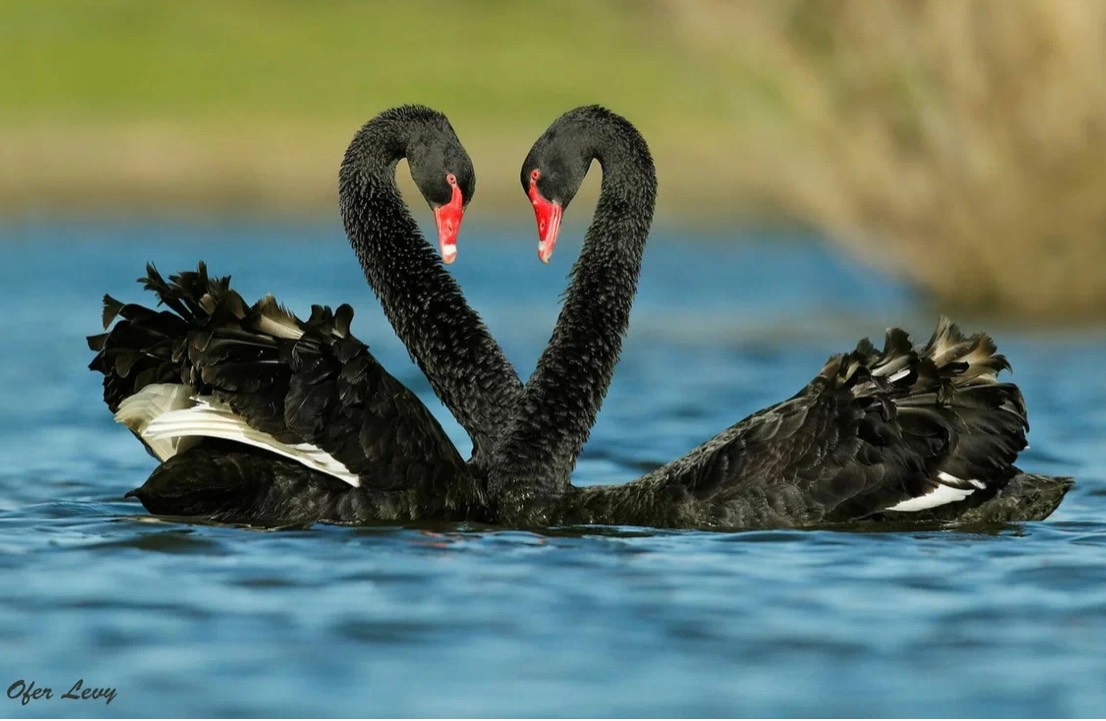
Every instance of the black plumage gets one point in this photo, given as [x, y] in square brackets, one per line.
[898, 435]
[903, 434]
[852, 445]
[321, 387]
[311, 383]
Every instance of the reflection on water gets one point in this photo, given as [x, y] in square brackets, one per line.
[209, 620]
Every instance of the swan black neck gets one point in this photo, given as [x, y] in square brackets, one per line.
[424, 304]
[560, 402]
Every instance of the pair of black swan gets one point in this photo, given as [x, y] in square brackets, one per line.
[260, 418]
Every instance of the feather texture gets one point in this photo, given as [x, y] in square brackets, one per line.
[200, 417]
[903, 432]
[216, 367]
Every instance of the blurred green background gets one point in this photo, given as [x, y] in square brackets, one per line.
[957, 143]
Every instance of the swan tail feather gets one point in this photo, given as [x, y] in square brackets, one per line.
[943, 405]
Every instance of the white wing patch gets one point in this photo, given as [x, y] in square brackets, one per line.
[949, 478]
[940, 495]
[169, 419]
[136, 412]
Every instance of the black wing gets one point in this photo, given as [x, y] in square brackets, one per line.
[873, 432]
[299, 381]
[899, 431]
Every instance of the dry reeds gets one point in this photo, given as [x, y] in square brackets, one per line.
[960, 143]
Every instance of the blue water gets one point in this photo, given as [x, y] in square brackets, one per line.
[204, 620]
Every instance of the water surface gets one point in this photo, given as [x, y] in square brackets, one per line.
[206, 620]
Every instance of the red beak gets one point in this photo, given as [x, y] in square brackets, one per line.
[448, 219]
[548, 215]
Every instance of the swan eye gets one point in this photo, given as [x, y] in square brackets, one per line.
[451, 179]
[534, 175]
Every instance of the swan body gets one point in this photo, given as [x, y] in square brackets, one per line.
[935, 444]
[259, 417]
[901, 434]
[207, 379]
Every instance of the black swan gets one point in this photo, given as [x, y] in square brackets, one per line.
[261, 418]
[900, 434]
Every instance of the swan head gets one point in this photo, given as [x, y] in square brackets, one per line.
[556, 166]
[443, 173]
[439, 165]
[551, 175]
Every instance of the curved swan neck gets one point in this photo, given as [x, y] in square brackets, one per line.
[561, 400]
[424, 304]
